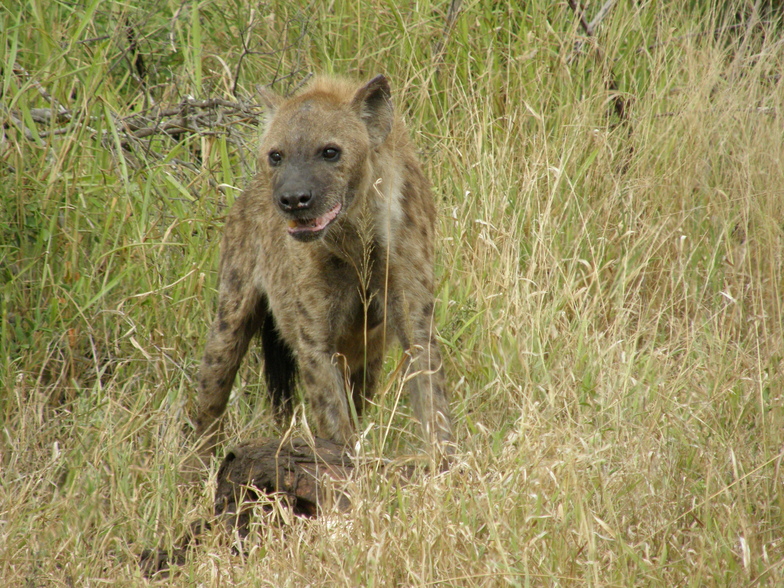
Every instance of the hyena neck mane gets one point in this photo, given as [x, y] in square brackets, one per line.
[372, 220]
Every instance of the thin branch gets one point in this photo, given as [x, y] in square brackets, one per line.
[619, 104]
[247, 34]
[603, 11]
[589, 27]
[214, 116]
[581, 16]
[451, 19]
[21, 72]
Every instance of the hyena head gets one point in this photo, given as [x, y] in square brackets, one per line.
[316, 148]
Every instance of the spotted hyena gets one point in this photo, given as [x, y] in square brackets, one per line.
[328, 254]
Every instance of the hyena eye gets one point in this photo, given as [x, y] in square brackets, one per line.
[331, 153]
[275, 158]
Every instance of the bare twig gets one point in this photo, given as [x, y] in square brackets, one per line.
[247, 34]
[139, 68]
[299, 84]
[620, 106]
[603, 11]
[209, 117]
[451, 18]
[21, 72]
[45, 115]
[589, 27]
[214, 116]
[581, 16]
[21, 126]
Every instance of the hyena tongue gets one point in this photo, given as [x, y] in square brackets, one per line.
[303, 223]
[314, 224]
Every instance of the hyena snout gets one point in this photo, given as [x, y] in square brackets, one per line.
[296, 192]
[305, 202]
[292, 200]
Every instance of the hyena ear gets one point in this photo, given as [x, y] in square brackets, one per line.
[373, 103]
[269, 99]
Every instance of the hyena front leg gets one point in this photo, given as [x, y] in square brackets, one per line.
[322, 378]
[424, 373]
[367, 368]
[241, 311]
[322, 322]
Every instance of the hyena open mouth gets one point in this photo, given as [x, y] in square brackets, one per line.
[311, 227]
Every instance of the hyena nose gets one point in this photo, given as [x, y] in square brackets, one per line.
[298, 200]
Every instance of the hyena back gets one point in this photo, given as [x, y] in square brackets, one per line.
[329, 255]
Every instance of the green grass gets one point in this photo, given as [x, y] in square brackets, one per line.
[609, 291]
